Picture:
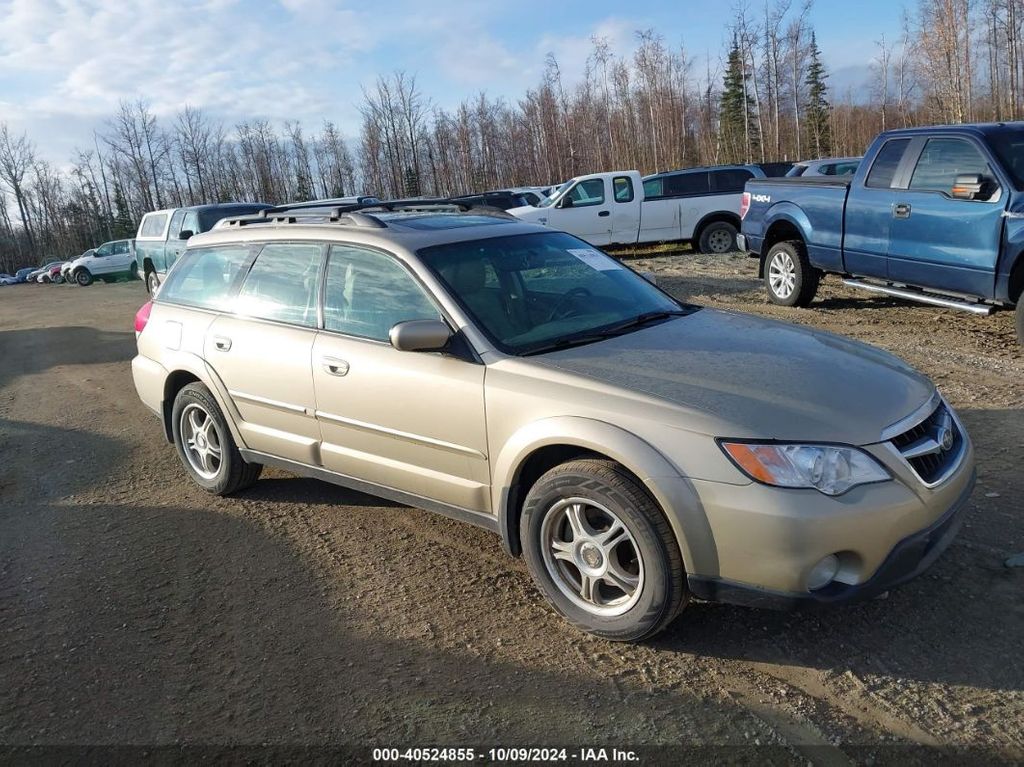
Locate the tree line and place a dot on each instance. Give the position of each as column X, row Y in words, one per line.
column 657, row 108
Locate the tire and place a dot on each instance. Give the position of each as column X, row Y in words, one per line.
column 645, row 554
column 83, row 277
column 718, row 238
column 133, row 271
column 1020, row 320
column 221, row 474
column 152, row 282
column 109, row 280
column 789, row 277
column 59, row 279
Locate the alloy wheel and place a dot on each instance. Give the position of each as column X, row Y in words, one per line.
column 782, row 275
column 202, row 441
column 591, row 556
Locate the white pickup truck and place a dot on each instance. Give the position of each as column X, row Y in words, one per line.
column 700, row 205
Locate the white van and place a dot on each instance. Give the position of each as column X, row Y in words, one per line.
column 700, row 205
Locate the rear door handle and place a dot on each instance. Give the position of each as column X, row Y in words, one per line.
column 334, row 366
column 605, row 213
column 222, row 343
column 901, row 210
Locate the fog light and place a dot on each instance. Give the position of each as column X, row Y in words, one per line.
column 822, row 573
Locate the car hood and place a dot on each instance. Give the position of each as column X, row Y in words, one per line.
column 528, row 213
column 756, row 378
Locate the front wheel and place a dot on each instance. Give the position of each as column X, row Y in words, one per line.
column 602, row 552
column 205, row 445
column 718, row 238
column 152, row 283
column 83, row 277
column 789, row 276
column 59, row 279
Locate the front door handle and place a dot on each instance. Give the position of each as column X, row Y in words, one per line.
column 901, row 210
column 222, row 343
column 334, row 366
column 605, row 213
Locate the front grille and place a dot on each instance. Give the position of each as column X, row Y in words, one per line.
column 933, row 447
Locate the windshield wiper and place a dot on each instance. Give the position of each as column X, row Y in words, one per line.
column 604, row 333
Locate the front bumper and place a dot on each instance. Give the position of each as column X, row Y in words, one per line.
column 910, row 557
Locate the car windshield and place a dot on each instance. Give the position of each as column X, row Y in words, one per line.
column 1008, row 144
column 555, row 194
column 532, row 293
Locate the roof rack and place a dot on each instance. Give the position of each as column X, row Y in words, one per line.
column 354, row 215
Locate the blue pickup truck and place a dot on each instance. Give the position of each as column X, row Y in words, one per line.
column 934, row 215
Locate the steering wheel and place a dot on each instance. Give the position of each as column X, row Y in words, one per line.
column 559, row 311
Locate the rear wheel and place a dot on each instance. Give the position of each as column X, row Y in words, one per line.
column 602, row 552
column 59, row 279
column 1020, row 320
column 205, row 445
column 83, row 277
column 718, row 237
column 133, row 271
column 789, row 276
column 152, row 282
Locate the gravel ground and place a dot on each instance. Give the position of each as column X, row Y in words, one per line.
column 135, row 609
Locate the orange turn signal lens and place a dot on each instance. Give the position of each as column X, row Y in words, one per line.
column 747, row 460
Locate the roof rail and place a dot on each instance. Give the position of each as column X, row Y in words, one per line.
column 354, row 214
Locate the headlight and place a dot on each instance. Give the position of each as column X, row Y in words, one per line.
column 830, row 469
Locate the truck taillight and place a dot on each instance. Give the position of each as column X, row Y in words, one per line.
column 744, row 205
column 142, row 316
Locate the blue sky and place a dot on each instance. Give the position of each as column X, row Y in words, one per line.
column 64, row 64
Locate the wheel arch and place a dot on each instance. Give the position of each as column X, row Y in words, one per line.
column 714, row 217
column 782, row 228
column 539, row 446
column 1015, row 283
column 185, row 369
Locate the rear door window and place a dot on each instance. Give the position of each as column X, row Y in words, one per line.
column 729, row 181
column 942, row 160
column 283, row 284
column 206, row 277
column 883, row 170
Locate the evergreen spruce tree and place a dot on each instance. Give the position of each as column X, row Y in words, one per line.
column 122, row 226
column 738, row 118
column 819, row 110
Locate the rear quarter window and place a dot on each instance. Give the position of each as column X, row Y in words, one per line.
column 206, row 278
column 729, row 181
column 153, row 225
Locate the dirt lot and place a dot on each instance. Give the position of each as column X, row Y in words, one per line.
column 135, row 609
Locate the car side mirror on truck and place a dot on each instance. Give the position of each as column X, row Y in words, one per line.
column 565, row 202
column 973, row 186
column 185, row 234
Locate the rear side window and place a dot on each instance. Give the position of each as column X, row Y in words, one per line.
column 729, row 181
column 153, row 225
column 206, row 277
column 367, row 293
column 883, row 171
column 622, row 187
column 677, row 185
column 283, row 284
column 942, row 160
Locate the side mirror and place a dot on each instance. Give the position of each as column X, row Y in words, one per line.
column 565, row 202
column 651, row 277
column 973, row 186
column 420, row 335
column 185, row 234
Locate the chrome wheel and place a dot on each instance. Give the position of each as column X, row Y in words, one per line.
column 152, row 283
column 202, row 441
column 591, row 556
column 720, row 241
column 782, row 275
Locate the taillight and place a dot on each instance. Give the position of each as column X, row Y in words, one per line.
column 744, row 205
column 142, row 316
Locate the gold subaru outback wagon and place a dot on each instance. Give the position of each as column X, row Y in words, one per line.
column 636, row 450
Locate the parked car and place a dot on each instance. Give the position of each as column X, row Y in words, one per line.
column 830, row 166
column 22, row 274
column 65, row 268
column 775, row 169
column 109, row 262
column 934, row 215
column 44, row 270
column 635, row 449
column 700, row 205
column 54, row 275
column 163, row 233
column 8, row 279
column 504, row 199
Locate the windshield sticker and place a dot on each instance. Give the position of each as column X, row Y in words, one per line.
column 595, row 260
